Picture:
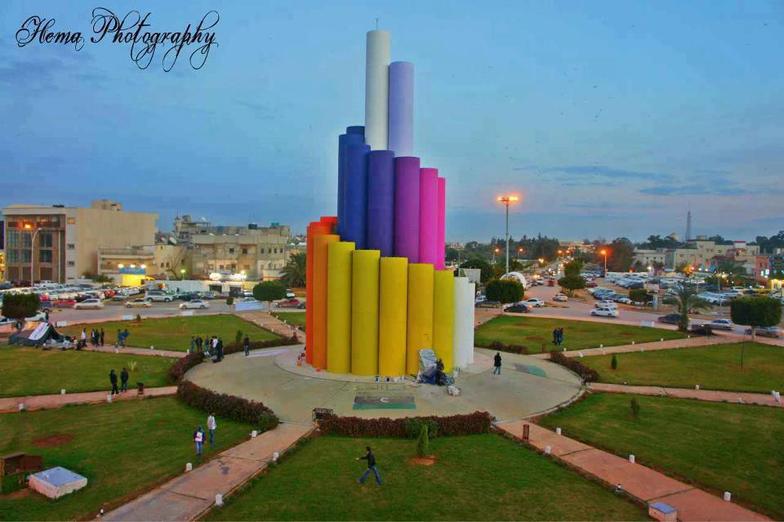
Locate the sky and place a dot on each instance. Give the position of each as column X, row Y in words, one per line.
column 609, row 118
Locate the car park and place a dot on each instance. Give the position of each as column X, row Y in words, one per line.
column 765, row 331
column 721, row 324
column 194, row 304
column 137, row 303
column 669, row 319
column 605, row 312
column 89, row 304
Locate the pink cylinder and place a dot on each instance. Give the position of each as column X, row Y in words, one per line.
column 441, row 232
column 428, row 215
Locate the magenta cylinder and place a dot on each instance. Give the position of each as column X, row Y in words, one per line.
column 428, row 215
column 441, row 236
column 407, row 208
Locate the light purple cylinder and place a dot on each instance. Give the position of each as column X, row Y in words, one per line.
column 401, row 108
column 428, row 215
column 381, row 202
column 407, row 208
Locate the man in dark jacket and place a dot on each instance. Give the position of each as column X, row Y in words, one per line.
column 113, row 380
column 371, row 466
column 124, row 380
column 246, row 345
column 497, row 364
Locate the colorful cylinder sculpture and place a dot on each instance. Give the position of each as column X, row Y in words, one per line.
column 319, row 304
column 377, row 89
column 353, row 136
column 315, row 228
column 406, row 232
column 464, row 322
column 339, row 255
column 401, row 108
column 381, row 201
column 364, row 312
column 355, row 207
column 444, row 317
column 392, row 316
column 441, row 237
column 420, row 313
column 428, row 215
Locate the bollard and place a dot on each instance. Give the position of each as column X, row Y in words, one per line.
column 253, row 434
column 218, row 499
column 601, row 346
column 526, row 431
column 727, row 496
column 662, row 339
column 632, row 458
column 275, row 456
column 109, row 397
column 152, row 347
column 22, row 406
column 557, row 431
column 62, row 391
column 188, row 467
column 696, row 386
column 547, row 450
column 581, row 355
column 632, row 342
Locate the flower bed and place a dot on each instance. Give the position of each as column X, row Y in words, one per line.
column 468, row 424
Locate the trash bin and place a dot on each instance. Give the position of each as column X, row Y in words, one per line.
column 140, row 388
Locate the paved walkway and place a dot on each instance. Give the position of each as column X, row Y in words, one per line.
column 648, row 347
column 642, row 483
column 190, row 495
column 271, row 323
column 135, row 351
column 47, row 402
column 761, row 399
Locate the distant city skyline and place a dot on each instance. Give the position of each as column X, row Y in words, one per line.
column 610, row 119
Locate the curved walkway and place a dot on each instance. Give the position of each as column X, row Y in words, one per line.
column 642, row 483
column 47, row 402
column 136, row 351
column 760, row 399
column 672, row 344
column 269, row 322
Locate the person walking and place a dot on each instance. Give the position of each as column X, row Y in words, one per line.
column 83, row 338
column 560, row 336
column 211, row 427
column 246, row 345
column 371, row 466
column 497, row 364
column 555, row 336
column 113, row 381
column 193, row 344
column 117, row 339
column 124, row 380
column 198, row 439
column 219, row 348
column 101, row 336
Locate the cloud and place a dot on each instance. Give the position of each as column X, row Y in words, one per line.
column 696, row 189
column 605, row 172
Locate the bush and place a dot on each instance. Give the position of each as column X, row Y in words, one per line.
column 756, row 311
column 19, row 306
column 640, row 295
column 414, row 427
column 269, row 291
column 181, row 366
column 504, row 290
column 256, row 345
column 571, row 283
column 614, row 362
column 635, row 407
column 498, row 346
column 468, row 424
column 423, row 442
column 228, row 406
column 588, row 374
column 229, row 300
column 238, row 337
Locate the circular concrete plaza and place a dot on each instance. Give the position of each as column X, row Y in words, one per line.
column 527, row 386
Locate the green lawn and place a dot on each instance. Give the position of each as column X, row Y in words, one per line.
column 723, row 447
column 32, row 371
column 712, row 367
column 174, row 333
column 479, row 477
column 122, row 448
column 534, row 332
column 295, row 318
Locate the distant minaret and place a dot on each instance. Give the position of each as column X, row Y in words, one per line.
column 688, row 226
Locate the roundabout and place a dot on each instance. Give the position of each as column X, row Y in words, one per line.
column 526, row 387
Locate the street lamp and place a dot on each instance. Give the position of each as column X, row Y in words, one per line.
column 182, row 273
column 541, row 261
column 34, row 232
column 508, row 199
column 604, row 253
column 496, row 250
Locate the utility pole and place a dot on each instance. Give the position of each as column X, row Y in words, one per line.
column 507, row 200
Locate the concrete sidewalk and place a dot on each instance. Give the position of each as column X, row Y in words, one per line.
column 271, row 323
column 136, row 351
column 47, row 402
column 647, row 347
column 761, row 399
column 190, row 495
column 642, row 483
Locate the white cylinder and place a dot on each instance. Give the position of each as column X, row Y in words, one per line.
column 188, row 467
column 377, row 89
column 21, row 406
column 62, row 391
column 632, row 459
column 254, row 434
column 727, row 496
column 218, row 499
column 275, row 456
column 109, row 397
column 464, row 323
column 548, row 450
column 557, row 431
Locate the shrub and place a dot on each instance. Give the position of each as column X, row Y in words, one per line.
column 228, row 406
column 423, row 442
column 256, row 345
column 269, row 291
column 756, row 311
column 19, row 306
column 468, row 424
column 181, row 366
column 229, row 300
column 571, row 283
column 614, row 362
column 635, row 407
column 504, row 290
column 640, row 295
column 498, row 346
column 414, row 427
column 588, row 374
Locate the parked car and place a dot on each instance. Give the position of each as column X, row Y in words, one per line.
column 290, row 294
column 721, row 324
column 517, row 308
column 765, row 331
column 605, row 312
column 606, row 304
column 701, row 329
column 158, row 296
column 138, row 303
column 89, row 304
column 289, row 303
column 188, row 296
column 591, row 284
column 561, row 298
column 197, row 304
column 38, row 316
column 623, row 300
column 534, row 302
column 669, row 318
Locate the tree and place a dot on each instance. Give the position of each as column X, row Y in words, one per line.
column 423, row 442
column 755, row 312
column 685, row 300
column 294, row 271
column 269, row 291
column 571, row 283
column 482, row 265
column 635, row 407
column 620, row 255
column 19, row 306
column 504, row 290
column 614, row 362
column 573, row 267
column 640, row 295
column 452, row 254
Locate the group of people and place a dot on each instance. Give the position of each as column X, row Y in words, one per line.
column 123, row 381
column 211, row 347
column 199, row 435
column 558, row 336
column 96, row 338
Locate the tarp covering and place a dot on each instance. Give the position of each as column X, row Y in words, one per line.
column 37, row 336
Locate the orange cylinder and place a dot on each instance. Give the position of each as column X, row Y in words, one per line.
column 315, row 228
column 320, row 256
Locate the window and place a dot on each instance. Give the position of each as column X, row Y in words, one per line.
column 244, row 251
column 46, row 240
column 71, row 263
column 70, row 246
column 25, row 256
column 45, row 256
column 246, row 267
column 231, row 250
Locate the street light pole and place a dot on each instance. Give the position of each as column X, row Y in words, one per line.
column 604, row 253
column 508, row 200
column 34, row 233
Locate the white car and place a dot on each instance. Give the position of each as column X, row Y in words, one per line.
column 561, row 298
column 89, row 304
column 159, row 296
column 606, row 304
column 533, row 301
column 195, row 304
column 605, row 312
column 721, row 324
column 138, row 303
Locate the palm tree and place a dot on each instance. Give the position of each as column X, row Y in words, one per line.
column 294, row 271
column 686, row 299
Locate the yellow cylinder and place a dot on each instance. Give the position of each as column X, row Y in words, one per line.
column 339, row 306
column 419, row 333
column 320, row 272
column 444, row 317
column 392, row 316
column 364, row 312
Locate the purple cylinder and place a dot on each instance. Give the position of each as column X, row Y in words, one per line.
column 354, row 135
column 401, row 108
column 428, row 215
column 407, row 208
column 381, row 202
column 355, row 206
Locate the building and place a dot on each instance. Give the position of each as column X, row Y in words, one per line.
column 251, row 251
column 702, row 254
column 648, row 257
column 59, row 243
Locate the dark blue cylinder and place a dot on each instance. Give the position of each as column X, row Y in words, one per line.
column 355, row 205
column 381, row 202
column 356, row 129
column 354, row 135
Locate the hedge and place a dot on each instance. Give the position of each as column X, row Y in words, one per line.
column 498, row 346
column 256, row 345
column 182, row 365
column 588, row 374
column 228, row 406
column 468, row 424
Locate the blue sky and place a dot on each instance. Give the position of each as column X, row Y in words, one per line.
column 610, row 118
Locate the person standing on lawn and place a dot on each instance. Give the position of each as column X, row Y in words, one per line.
column 246, row 345
column 198, row 439
column 124, row 380
column 113, row 381
column 101, row 336
column 211, row 427
column 371, row 466
column 497, row 364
